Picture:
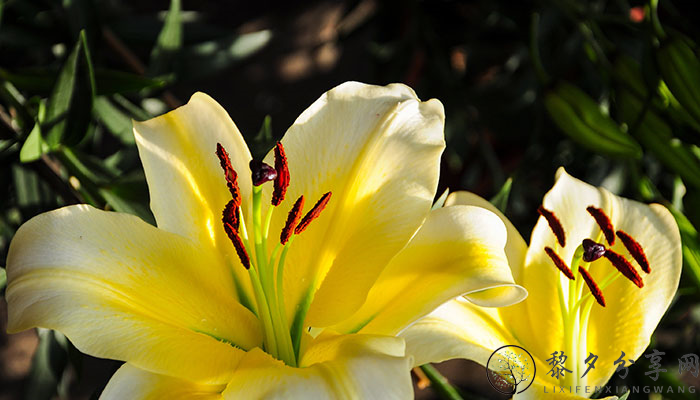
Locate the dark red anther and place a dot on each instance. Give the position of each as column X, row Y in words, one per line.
column 313, row 213
column 230, row 173
column 559, row 263
column 592, row 250
column 238, row 245
column 292, row 220
column 261, row 172
column 625, row 268
column 592, row 286
column 282, row 180
column 230, row 215
column 635, row 250
column 554, row 224
column 604, row 223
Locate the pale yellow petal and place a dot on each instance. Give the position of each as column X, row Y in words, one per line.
column 516, row 248
column 568, row 199
column 122, row 289
column 520, row 322
column 632, row 314
column 458, row 251
column 333, row 367
column 377, row 149
column 457, row 329
column 186, row 183
column 130, row 382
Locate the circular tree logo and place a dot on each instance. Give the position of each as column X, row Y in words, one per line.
column 510, row 369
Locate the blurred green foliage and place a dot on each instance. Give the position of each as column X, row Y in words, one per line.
column 608, row 89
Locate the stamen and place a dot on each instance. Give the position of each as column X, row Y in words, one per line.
column 230, row 215
column 554, row 224
column 282, row 180
column 592, row 250
column 559, row 263
column 313, row 213
column 604, row 223
column 595, row 290
column 292, row 220
column 261, row 172
column 635, row 250
column 238, row 244
column 624, row 267
column 230, row 173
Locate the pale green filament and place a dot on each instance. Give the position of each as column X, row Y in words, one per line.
column 267, row 288
column 576, row 309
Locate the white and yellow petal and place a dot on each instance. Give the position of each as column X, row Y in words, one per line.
column 459, row 251
column 130, row 382
column 122, row 289
column 333, row 367
column 520, row 322
column 457, row 329
column 630, row 309
column 185, row 181
column 568, row 200
column 377, row 149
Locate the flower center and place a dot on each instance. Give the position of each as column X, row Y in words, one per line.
column 266, row 269
column 574, row 302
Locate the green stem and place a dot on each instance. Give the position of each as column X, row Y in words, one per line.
column 658, row 29
column 440, row 383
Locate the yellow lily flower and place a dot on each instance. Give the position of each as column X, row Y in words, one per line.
column 269, row 301
column 563, row 314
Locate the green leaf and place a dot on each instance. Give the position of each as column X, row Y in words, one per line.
column 116, row 122
column 129, row 196
column 70, row 104
column 265, row 132
column 31, row 192
column 3, row 278
column 624, row 396
column 34, row 146
column 87, row 169
column 207, row 58
column 135, row 111
column 169, row 41
column 88, row 63
column 48, row 364
column 107, row 81
column 31, row 79
column 691, row 247
column 112, row 82
column 263, row 141
column 500, row 200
